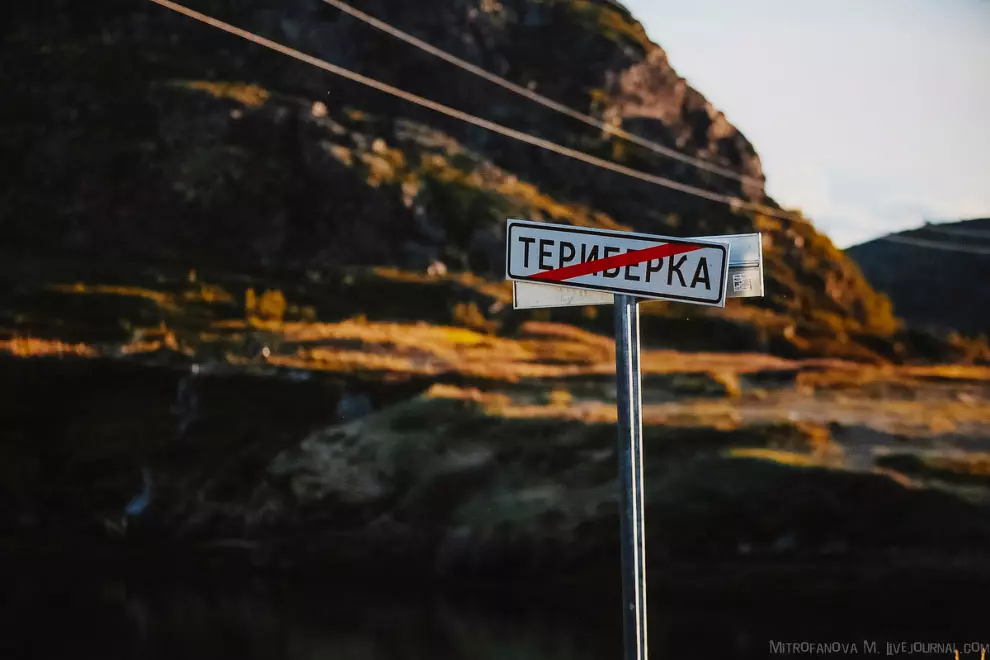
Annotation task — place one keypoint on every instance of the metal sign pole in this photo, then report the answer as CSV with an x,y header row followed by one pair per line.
x,y
630,422
553,265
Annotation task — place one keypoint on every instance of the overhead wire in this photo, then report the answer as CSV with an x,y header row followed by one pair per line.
x,y
540,98
957,231
733,202
935,245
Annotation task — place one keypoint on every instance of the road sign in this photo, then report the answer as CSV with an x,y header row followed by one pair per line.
x,y
745,279
640,265
559,266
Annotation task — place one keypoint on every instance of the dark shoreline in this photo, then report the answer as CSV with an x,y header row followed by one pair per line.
x,y
890,573
691,616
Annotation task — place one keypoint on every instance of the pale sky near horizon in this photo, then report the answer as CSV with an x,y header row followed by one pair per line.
x,y
871,116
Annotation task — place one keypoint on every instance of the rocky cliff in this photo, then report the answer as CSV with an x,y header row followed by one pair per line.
x,y
142,137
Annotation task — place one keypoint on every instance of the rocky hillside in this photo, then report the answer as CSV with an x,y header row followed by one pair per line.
x,y
936,276
254,314
142,140
412,451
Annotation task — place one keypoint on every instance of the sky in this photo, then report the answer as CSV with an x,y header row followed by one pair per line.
x,y
871,116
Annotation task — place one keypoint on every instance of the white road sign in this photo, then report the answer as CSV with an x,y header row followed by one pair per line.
x,y
660,267
745,279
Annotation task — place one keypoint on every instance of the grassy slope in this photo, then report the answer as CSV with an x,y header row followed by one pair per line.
x,y
483,453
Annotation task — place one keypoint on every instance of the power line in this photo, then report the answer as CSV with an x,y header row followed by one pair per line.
x,y
539,98
733,202
955,231
935,245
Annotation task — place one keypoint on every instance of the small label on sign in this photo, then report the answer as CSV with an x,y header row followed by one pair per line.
x,y
741,282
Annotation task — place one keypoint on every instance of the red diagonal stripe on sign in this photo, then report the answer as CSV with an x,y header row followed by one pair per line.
x,y
616,261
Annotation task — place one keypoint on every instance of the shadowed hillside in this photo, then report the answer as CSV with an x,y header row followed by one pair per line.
x,y
936,276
